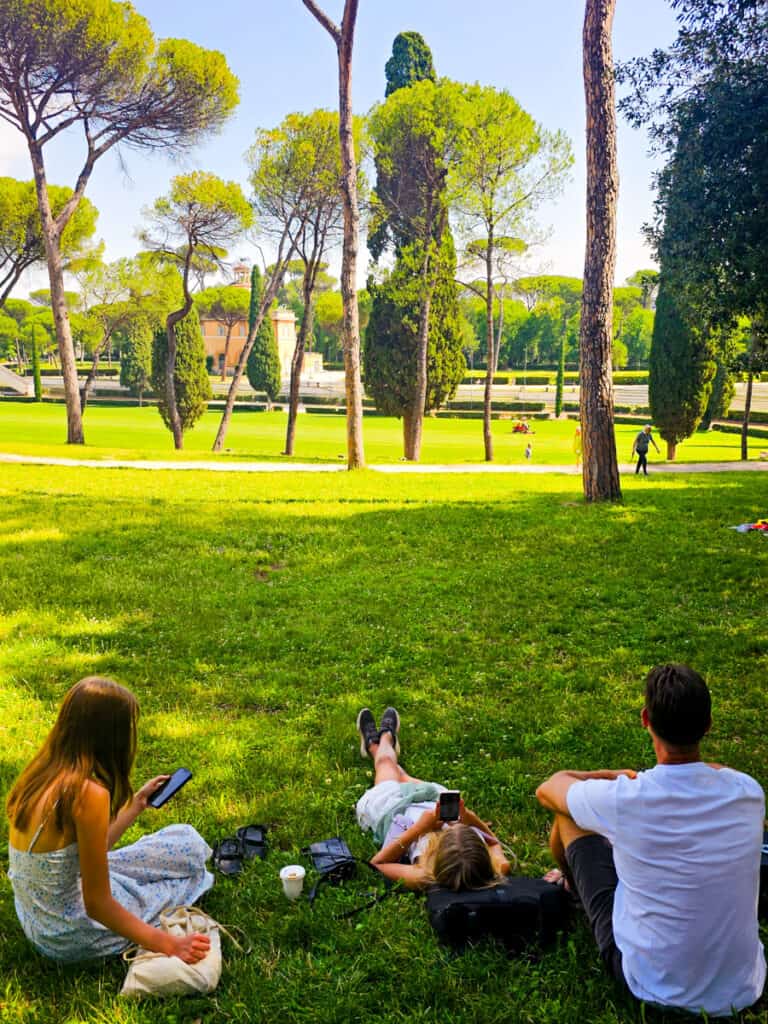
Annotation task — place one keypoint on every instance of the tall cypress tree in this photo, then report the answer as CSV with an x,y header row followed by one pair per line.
x,y
681,371
136,358
193,387
411,61
263,366
390,351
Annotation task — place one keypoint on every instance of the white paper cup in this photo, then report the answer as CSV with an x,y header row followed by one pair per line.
x,y
292,877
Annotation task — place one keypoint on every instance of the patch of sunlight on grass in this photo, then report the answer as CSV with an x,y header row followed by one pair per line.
x,y
41,534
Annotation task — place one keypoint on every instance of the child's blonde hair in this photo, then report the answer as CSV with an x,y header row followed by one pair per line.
x,y
457,858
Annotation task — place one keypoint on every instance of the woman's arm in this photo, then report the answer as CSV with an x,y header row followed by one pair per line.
x,y
467,817
91,817
128,814
387,859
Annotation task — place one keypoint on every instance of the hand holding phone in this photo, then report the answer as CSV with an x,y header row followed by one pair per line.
x,y
171,786
450,805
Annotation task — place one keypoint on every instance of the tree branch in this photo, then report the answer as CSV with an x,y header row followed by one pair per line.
x,y
330,27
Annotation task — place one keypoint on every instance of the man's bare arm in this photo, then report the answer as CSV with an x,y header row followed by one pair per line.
x,y
553,793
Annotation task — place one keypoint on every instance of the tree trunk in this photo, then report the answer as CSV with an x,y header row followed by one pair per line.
x,y
170,370
87,388
266,302
671,450
351,331
747,406
407,431
226,353
38,383
600,466
58,300
305,331
415,415
488,390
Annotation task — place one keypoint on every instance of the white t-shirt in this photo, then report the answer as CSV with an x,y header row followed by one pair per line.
x,y
686,844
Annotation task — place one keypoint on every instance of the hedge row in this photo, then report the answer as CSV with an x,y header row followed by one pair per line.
x,y
500,406
82,371
736,415
543,378
726,428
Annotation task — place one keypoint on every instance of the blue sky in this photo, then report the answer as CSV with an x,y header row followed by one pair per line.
x,y
286,62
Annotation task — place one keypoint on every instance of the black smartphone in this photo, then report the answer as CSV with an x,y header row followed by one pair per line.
x,y
449,805
164,793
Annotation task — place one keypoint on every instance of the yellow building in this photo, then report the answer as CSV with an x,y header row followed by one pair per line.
x,y
224,340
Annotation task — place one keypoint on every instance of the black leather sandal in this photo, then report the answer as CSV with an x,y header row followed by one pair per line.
x,y
254,841
228,856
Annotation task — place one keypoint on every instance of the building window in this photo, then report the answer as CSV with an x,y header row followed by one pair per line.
x,y
222,332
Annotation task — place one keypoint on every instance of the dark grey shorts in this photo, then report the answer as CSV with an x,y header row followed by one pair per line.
x,y
590,860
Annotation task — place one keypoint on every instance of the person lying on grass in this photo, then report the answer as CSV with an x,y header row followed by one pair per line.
x,y
401,812
76,898
666,862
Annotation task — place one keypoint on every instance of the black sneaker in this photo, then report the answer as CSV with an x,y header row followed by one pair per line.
x,y
366,726
390,722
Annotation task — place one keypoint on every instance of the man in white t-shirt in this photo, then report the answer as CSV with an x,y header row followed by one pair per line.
x,y
667,861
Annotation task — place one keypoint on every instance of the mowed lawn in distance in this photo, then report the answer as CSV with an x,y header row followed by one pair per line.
x,y
134,433
253,615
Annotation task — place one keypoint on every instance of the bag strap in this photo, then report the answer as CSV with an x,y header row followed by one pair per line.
x,y
135,952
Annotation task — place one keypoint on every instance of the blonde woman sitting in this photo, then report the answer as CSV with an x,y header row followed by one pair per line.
x,y
404,816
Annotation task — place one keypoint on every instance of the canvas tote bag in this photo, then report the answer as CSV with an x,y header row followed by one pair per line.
x,y
154,974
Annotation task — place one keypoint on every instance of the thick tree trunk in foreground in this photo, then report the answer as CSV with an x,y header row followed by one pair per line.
x,y
344,38
51,239
352,382
600,466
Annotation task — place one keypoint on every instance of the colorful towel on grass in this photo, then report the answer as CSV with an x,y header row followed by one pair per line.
x,y
761,524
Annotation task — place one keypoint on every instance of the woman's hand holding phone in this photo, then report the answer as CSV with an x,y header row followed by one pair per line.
x,y
142,796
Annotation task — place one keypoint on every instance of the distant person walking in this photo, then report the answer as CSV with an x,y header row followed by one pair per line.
x,y
528,451
643,439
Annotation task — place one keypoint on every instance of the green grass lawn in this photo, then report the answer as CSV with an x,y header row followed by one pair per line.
x,y
133,433
510,624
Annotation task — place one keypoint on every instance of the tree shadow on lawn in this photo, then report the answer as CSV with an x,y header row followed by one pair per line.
x,y
513,636
523,630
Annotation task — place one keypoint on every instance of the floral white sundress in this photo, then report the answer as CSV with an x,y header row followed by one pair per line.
x,y
161,870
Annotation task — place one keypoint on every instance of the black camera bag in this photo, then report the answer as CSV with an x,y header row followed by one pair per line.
x,y
518,913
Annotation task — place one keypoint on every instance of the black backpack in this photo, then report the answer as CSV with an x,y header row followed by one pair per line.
x,y
518,913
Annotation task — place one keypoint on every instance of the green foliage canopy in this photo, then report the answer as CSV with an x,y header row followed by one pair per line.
x,y
21,237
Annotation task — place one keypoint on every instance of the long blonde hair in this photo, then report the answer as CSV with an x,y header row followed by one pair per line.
x,y
94,737
457,858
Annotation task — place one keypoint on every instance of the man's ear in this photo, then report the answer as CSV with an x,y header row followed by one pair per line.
x,y
645,719
709,726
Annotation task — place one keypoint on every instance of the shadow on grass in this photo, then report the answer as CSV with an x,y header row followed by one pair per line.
x,y
512,632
